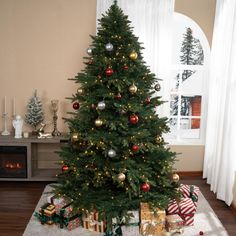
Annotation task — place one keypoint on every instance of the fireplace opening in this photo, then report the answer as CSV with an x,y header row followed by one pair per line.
x,y
13,162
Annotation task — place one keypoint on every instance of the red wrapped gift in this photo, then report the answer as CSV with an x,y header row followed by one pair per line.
x,y
185,209
90,222
73,223
190,191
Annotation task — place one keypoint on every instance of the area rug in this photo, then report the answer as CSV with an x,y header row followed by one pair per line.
x,y
205,220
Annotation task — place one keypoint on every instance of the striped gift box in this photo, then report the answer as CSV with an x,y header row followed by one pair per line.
x,y
190,191
185,209
72,224
90,222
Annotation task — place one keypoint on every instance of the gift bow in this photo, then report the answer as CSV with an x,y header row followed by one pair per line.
x,y
191,195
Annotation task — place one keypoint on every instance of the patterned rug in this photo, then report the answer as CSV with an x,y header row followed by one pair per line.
x,y
205,220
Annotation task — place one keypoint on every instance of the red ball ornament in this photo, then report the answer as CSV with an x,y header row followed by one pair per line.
x,y
90,62
109,71
201,233
76,105
145,187
118,96
148,101
64,168
133,119
125,67
135,148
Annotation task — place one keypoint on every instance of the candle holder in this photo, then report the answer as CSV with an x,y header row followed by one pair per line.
x,y
54,104
5,132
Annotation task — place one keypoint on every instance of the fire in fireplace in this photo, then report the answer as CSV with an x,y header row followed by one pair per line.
x,y
13,162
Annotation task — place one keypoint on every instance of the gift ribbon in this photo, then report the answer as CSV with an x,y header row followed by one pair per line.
x,y
191,195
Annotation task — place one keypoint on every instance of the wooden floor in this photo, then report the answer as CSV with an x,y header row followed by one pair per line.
x,y
18,200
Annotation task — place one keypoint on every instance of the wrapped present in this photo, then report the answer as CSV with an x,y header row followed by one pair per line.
x,y
174,223
152,221
73,223
151,228
46,214
91,222
53,199
190,191
67,210
184,208
133,219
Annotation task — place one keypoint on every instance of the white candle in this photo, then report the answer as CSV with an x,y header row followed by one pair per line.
x,y
14,108
5,105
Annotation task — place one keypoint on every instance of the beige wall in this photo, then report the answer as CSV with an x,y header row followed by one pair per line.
x,y
42,44
201,11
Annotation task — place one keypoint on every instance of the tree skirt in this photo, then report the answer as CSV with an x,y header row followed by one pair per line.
x,y
205,220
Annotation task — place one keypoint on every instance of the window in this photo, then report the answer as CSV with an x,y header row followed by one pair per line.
x,y
187,83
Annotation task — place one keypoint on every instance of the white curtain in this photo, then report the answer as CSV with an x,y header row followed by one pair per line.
x,y
152,21
220,150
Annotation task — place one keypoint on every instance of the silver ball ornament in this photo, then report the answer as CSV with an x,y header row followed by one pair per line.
x,y
109,47
101,105
111,153
89,51
157,87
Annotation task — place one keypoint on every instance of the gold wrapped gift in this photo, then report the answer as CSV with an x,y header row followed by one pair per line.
x,y
152,220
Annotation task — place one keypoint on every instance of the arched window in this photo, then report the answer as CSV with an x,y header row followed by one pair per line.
x,y
188,81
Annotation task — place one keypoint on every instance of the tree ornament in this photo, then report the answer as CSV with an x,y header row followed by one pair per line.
x,y
145,187
133,55
201,233
74,137
125,67
64,168
101,105
89,51
175,178
98,122
111,153
109,47
121,177
157,87
76,105
109,71
158,139
133,119
123,111
133,89
90,62
118,96
135,148
80,91
148,101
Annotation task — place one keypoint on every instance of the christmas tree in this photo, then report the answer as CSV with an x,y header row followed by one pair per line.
x,y
116,157
34,113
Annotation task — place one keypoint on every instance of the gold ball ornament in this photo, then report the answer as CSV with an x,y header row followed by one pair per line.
x,y
133,89
75,137
121,177
80,91
158,139
133,55
175,178
98,122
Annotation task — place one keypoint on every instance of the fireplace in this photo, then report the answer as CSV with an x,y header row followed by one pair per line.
x,y
13,162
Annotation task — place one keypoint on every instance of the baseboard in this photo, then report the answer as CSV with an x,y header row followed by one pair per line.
x,y
189,173
233,207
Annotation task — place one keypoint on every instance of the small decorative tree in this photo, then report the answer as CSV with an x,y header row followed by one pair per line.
x,y
34,113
